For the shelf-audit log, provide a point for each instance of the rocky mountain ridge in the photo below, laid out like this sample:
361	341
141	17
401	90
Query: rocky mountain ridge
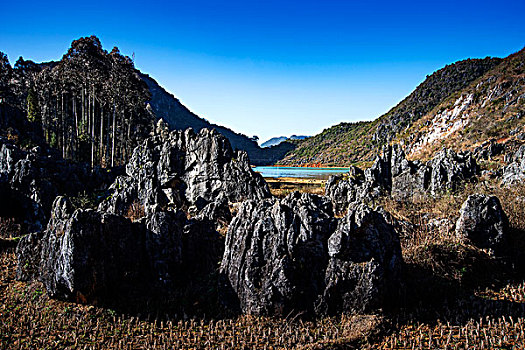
490	109
432	116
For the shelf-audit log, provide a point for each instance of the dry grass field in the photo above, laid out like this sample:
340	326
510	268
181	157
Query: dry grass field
455	297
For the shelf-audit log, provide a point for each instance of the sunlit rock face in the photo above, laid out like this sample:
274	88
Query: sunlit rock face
292	256
392	174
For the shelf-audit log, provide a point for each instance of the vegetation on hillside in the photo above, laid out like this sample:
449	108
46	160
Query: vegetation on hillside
342	144
90	105
349	143
492	107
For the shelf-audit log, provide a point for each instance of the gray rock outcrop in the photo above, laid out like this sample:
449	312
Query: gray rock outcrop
514	172
392	174
157	229
364	269
291	256
483	222
488	149
30	182
184	169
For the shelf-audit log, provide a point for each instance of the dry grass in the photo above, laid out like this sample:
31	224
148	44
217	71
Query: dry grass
9	228
283	192
457	297
281	187
30	320
135	211
483	333
9	232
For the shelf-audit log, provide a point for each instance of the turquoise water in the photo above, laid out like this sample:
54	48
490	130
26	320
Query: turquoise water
312	173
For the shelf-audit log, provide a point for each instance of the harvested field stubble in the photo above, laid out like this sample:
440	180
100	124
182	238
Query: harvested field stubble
30	320
456	297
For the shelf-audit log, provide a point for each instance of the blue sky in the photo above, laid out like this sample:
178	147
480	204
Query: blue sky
272	68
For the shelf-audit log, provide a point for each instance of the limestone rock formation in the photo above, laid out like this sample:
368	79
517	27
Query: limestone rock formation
483	222
346	188
488	149
157	229
290	256
30	182
184	169
392	174
86	254
275	253
365	263
448	170
514	172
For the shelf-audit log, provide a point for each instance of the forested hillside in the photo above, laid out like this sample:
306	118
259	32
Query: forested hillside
94	106
90	105
348	143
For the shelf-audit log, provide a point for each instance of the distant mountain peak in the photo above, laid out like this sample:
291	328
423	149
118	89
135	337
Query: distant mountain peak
274	141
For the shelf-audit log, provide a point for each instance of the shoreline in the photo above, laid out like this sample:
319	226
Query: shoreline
301	167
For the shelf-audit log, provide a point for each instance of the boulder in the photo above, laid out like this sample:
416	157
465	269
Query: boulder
514	172
290	256
275	253
85	255
483	222
364	268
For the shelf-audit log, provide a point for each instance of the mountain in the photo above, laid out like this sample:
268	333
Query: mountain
274	141
348	143
166	106
490	109
95	106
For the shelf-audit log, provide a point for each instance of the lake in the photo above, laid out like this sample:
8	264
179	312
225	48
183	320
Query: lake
311	173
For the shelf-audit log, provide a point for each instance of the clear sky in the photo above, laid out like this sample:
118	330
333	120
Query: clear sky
272	68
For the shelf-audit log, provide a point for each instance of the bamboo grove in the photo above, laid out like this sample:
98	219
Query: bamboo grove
91	105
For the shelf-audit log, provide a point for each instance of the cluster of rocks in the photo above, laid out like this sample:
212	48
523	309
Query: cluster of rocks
184	170
158	230
292	256
30	182
144	235
488	149
392	174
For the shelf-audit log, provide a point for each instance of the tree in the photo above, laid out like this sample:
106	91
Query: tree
91	104
33	109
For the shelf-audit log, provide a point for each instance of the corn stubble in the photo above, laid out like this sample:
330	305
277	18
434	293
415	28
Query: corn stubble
459	297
